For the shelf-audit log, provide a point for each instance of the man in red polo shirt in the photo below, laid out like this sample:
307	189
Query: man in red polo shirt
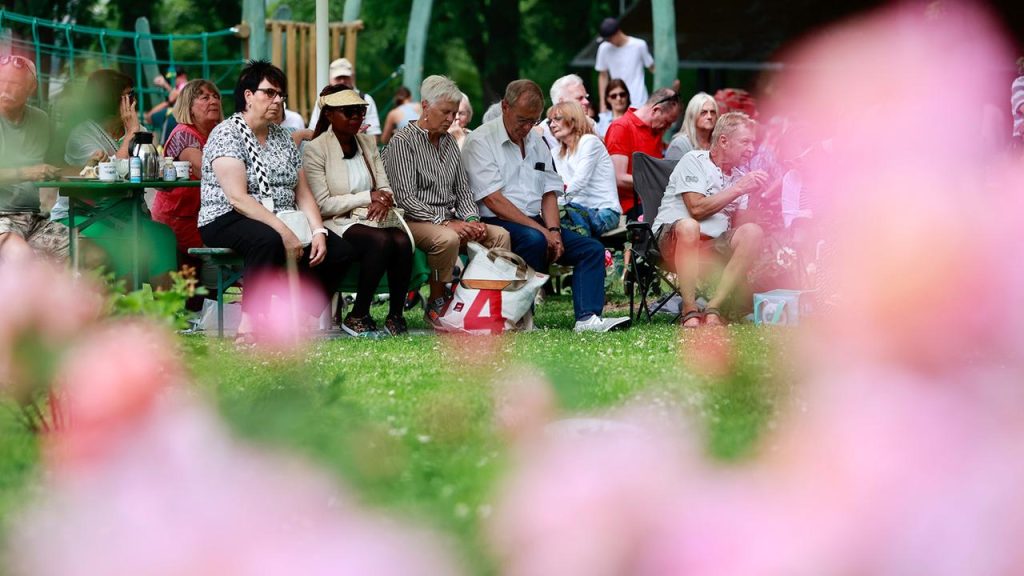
639	130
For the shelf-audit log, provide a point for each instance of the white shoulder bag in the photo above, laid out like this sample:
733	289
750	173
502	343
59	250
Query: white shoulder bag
295	220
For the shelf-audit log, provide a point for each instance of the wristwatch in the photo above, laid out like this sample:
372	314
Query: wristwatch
554	228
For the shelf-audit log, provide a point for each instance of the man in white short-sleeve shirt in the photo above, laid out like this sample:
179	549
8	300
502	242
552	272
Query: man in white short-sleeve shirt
624	57
704	190
513	180
342	72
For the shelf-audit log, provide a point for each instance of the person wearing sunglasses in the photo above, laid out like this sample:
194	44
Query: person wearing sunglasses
346	173
616	103
25	143
516	187
639	130
251	172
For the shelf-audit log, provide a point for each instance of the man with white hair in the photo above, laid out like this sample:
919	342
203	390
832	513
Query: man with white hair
24	145
568	88
705	189
343	72
424	168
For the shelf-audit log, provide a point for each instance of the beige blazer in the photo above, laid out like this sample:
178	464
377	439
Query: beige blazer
327	173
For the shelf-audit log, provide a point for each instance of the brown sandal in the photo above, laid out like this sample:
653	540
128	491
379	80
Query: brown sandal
690	316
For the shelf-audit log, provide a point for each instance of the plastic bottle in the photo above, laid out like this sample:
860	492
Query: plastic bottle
170	174
135	169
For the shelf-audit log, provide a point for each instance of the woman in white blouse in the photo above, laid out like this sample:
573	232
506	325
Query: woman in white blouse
345	172
591	202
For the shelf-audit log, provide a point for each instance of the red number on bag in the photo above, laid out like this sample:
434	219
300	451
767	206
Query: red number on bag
493	321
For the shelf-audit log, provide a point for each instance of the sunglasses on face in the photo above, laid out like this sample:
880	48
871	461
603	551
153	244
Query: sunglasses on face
273	93
616	95
352	111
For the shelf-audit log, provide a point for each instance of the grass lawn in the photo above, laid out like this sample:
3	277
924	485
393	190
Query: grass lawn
407	421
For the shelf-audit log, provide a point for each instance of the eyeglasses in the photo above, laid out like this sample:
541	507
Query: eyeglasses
616	95
19	62
352	111
272	93
520	121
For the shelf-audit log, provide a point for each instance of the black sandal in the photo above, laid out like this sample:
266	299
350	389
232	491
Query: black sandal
690	316
716	312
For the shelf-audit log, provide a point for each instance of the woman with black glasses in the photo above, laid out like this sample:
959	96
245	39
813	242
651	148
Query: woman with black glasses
252	172
346	173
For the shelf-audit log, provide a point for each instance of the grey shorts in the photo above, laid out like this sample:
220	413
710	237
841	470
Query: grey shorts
39	232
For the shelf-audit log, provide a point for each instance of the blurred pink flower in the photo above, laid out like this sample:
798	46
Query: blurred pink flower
283	309
176	495
523	404
903	195
43	306
584	504
107	385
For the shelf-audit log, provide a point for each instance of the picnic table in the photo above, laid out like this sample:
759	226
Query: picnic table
84	196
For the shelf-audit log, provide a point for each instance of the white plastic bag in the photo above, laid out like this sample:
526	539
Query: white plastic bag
496	292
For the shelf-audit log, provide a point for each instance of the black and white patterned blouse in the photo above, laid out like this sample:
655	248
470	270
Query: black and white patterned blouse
280	156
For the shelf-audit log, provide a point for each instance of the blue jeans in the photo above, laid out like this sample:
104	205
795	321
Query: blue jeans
584	254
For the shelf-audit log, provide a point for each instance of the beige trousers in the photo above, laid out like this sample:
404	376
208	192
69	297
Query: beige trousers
442	245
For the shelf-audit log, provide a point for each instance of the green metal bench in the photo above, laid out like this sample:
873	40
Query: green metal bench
229	271
228	264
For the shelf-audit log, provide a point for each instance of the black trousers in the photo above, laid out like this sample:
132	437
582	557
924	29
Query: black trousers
263	252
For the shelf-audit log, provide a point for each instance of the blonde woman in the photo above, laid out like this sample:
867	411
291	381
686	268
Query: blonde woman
698	122
591	201
197	110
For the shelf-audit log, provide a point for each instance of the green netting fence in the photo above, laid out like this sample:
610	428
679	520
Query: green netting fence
64	52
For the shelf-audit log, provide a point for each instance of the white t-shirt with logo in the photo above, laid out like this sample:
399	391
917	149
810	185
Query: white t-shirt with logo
627	62
695	172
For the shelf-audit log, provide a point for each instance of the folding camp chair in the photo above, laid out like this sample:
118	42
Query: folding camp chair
644	271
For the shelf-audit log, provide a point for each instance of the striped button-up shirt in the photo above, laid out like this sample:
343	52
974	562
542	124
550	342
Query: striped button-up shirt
428	181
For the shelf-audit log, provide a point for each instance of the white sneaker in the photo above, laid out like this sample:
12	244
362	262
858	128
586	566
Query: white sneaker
597	324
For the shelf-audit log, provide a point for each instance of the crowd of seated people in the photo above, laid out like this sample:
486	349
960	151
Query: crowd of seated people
545	181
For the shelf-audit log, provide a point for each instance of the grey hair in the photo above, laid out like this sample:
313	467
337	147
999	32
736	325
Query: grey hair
437	88
519	89
693	109
563	84
729	123
493	111
465	99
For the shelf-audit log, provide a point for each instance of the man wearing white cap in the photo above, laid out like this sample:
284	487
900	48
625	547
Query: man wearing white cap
342	72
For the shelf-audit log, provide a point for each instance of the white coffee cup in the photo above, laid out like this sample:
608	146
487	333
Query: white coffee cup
106	171
183	169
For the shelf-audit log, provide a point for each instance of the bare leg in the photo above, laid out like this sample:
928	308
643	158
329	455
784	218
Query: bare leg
14	248
745	244
687	237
